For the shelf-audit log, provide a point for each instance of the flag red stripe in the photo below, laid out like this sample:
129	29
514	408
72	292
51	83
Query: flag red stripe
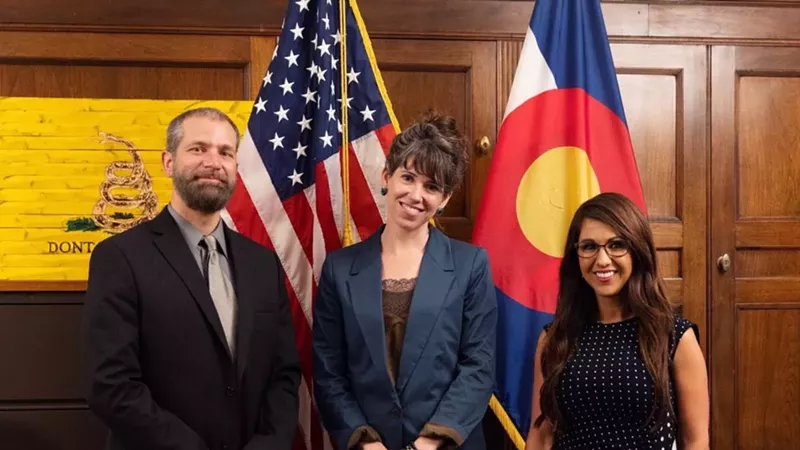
385	135
362	205
325	211
301	217
245	217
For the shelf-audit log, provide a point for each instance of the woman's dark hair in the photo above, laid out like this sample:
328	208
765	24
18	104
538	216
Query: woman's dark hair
643	296
434	147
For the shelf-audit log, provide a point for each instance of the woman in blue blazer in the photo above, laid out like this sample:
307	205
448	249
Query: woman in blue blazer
404	322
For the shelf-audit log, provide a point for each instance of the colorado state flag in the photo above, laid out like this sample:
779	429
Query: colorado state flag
564	139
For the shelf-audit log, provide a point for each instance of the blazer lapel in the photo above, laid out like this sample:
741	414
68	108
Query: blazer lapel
170	242
433	285
364	288
243	274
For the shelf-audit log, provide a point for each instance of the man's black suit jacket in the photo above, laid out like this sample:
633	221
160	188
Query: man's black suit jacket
160	374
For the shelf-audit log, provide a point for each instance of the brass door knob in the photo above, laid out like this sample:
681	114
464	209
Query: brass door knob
724	263
483	146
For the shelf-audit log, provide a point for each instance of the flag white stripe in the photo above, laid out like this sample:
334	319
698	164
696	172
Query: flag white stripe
532	77
370	156
270	209
226	217
318	244
333	169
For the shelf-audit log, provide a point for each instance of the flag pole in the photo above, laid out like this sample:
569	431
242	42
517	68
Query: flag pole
347	233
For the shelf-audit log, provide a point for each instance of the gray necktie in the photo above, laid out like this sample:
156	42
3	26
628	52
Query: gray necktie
221	289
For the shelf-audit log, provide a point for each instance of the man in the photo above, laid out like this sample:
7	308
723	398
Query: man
188	332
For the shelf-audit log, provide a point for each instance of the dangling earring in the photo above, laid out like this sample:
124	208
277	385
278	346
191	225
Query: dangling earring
384	191
439	211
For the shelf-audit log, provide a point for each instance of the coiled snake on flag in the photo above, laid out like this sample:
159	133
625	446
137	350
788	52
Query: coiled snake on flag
138	179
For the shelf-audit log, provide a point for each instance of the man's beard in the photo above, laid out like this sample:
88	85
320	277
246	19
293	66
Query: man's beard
201	196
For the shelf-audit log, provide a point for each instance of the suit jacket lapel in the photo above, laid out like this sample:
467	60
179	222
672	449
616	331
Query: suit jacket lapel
433	284
364	288
243	274
170	242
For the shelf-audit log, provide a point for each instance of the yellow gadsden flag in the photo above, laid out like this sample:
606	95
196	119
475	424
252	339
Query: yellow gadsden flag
75	171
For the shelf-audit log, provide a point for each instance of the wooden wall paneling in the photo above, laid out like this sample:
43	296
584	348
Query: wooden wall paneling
484	18
508	53
41	398
51	427
664	91
92	80
122	66
742	21
219	51
406	18
456	78
756	214
261	49
496	19
767	371
41	340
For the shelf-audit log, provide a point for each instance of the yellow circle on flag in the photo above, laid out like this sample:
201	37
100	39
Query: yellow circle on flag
550	192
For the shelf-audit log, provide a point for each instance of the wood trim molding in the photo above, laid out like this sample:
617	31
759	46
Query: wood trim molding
507	58
226	50
42	286
489	19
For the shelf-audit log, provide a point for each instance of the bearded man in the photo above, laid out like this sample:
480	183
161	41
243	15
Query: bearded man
187	326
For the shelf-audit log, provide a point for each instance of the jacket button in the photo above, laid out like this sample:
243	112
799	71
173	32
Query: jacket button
395	412
229	392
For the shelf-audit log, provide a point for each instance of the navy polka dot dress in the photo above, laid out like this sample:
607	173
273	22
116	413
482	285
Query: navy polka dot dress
606	394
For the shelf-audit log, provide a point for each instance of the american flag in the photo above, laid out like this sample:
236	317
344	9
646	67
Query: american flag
290	195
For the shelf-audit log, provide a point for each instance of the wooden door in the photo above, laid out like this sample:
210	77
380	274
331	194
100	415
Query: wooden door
42	389
755	236
664	93
455	78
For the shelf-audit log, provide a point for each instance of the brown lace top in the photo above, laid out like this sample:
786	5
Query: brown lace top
396	305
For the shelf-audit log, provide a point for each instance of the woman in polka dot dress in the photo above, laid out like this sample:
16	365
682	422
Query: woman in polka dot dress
616	369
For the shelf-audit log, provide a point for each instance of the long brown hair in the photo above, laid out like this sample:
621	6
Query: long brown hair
643	296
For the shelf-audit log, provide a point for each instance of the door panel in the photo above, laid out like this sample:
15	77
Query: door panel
755	173
664	93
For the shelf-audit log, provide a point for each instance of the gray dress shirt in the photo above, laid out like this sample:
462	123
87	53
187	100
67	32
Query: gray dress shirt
193	238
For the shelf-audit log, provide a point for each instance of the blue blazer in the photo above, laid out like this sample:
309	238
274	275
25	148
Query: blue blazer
446	370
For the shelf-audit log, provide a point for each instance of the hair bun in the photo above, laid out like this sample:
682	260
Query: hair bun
436	125
446	125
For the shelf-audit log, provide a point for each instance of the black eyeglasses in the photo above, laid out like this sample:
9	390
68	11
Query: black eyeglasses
615	248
